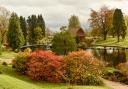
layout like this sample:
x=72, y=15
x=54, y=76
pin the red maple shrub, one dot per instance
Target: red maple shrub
x=44, y=65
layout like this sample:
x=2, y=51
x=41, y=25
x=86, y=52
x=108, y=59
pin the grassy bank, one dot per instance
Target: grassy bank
x=7, y=56
x=112, y=42
x=10, y=80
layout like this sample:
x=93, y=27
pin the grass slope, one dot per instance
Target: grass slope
x=112, y=42
x=10, y=80
x=7, y=56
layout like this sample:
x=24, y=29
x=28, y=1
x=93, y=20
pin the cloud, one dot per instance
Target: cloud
x=57, y=12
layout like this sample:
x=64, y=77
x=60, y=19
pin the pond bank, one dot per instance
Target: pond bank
x=112, y=42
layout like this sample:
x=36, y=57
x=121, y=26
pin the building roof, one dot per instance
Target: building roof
x=77, y=32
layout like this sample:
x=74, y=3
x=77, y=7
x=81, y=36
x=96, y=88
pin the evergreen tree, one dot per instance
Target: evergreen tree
x=34, y=22
x=63, y=43
x=41, y=24
x=119, y=25
x=37, y=35
x=23, y=26
x=15, y=35
x=74, y=22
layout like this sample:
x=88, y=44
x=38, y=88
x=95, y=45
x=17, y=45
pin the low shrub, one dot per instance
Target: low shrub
x=44, y=65
x=93, y=80
x=123, y=67
x=82, y=68
x=89, y=41
x=115, y=75
x=82, y=45
x=19, y=63
x=4, y=63
x=111, y=73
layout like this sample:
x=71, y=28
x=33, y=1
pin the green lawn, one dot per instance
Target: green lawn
x=7, y=56
x=113, y=42
x=10, y=80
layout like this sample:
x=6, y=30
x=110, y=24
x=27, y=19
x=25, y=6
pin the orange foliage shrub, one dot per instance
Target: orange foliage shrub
x=82, y=68
x=123, y=67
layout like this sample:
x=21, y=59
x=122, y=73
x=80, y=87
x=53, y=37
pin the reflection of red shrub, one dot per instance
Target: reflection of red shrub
x=44, y=65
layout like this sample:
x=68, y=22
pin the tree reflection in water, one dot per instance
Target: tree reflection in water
x=110, y=56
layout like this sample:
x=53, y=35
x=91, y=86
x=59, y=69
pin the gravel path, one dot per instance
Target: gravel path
x=115, y=85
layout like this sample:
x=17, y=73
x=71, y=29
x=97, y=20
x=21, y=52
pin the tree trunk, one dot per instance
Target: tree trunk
x=113, y=35
x=118, y=38
x=105, y=35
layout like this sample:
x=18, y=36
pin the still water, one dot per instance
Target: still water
x=111, y=56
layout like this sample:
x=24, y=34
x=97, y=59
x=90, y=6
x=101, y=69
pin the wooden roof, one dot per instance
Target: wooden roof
x=77, y=32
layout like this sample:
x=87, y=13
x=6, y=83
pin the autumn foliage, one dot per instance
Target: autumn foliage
x=44, y=65
x=82, y=68
x=20, y=61
x=78, y=67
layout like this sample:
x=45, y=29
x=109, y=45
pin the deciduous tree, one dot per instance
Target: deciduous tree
x=101, y=20
x=4, y=21
x=74, y=22
x=63, y=43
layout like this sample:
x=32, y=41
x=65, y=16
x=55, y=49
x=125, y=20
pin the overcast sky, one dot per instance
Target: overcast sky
x=57, y=12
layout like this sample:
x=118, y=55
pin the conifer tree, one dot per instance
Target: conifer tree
x=15, y=34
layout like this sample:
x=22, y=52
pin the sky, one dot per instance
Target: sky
x=57, y=12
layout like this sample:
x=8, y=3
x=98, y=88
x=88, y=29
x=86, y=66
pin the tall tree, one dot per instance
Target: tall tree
x=37, y=35
x=41, y=24
x=101, y=20
x=34, y=22
x=15, y=35
x=23, y=26
x=119, y=24
x=4, y=21
x=74, y=22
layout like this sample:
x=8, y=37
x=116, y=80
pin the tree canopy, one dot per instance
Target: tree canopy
x=63, y=43
x=119, y=25
x=15, y=35
x=74, y=22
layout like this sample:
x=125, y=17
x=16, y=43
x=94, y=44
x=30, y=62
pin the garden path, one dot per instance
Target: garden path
x=115, y=85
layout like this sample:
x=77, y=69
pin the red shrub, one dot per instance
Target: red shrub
x=44, y=65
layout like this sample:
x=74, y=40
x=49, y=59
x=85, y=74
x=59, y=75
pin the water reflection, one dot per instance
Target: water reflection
x=111, y=56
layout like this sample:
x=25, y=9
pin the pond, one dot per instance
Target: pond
x=111, y=56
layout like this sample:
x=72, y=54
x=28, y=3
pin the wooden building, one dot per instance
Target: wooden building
x=78, y=32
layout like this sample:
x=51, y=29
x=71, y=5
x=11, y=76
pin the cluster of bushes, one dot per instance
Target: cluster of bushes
x=118, y=74
x=77, y=67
